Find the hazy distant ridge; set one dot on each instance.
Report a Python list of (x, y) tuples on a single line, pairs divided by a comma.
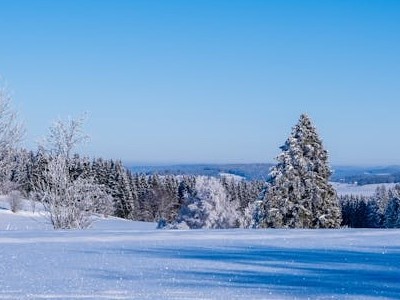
[(259, 171)]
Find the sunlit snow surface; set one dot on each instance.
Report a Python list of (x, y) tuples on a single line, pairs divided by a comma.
[(367, 190), (118, 259)]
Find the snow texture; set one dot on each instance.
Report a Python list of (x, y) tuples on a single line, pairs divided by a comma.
[(231, 176), (119, 259), (367, 190)]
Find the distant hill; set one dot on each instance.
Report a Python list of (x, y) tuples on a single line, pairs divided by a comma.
[(366, 175), (344, 174), (247, 171)]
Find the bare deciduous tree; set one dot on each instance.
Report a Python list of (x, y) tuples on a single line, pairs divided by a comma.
[(64, 136), (11, 133), (70, 202)]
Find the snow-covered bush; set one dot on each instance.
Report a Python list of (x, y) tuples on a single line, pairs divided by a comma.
[(207, 206), (15, 201), (70, 203), (69, 200)]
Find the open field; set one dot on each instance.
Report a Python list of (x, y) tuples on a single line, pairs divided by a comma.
[(118, 259)]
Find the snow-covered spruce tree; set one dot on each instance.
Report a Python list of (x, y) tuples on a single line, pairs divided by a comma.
[(145, 210), (392, 213), (381, 197), (191, 214), (252, 215), (373, 215), (165, 195), (118, 183), (171, 206), (299, 194)]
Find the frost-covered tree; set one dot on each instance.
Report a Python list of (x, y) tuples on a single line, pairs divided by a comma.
[(208, 207), (70, 203), (68, 195), (11, 133), (373, 215), (392, 213), (242, 191), (165, 193), (221, 213), (21, 171), (15, 201), (192, 214), (299, 194), (145, 209), (252, 215), (381, 197), (65, 135)]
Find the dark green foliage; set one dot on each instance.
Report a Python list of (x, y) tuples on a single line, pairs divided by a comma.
[(392, 213), (355, 212), (382, 210)]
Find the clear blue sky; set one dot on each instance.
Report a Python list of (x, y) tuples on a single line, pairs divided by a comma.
[(208, 81)]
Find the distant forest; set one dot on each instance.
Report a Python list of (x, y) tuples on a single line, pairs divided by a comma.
[(260, 171)]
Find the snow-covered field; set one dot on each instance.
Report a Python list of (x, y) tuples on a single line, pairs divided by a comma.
[(118, 259), (358, 190)]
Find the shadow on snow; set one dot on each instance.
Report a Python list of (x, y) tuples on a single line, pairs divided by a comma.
[(290, 271)]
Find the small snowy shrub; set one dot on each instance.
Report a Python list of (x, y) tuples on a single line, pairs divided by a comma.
[(15, 201), (208, 207), (70, 203)]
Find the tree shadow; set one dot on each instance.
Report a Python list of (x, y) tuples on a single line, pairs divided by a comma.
[(298, 272)]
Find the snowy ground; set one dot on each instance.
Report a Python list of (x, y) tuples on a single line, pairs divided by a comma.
[(360, 190), (118, 259)]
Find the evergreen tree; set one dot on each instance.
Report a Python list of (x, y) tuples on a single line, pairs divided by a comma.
[(299, 194), (392, 213), (124, 198), (19, 176), (169, 202), (145, 210), (252, 215), (381, 197), (374, 218), (361, 213)]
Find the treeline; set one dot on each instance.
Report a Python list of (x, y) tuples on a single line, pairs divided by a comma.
[(151, 198), (254, 171), (155, 198), (73, 189), (382, 210), (364, 179)]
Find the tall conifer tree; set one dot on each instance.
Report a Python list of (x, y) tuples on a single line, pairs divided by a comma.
[(299, 195)]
